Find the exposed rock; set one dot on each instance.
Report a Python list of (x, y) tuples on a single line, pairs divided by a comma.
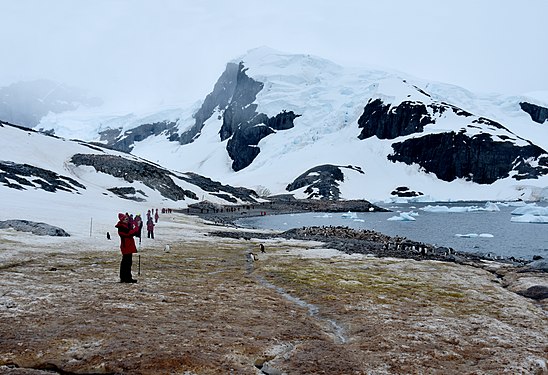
[(234, 94), (537, 292), (132, 170), (538, 114), (322, 181), (128, 192), (126, 141), (207, 184), (404, 191), (40, 229), (389, 122), (22, 176), (478, 158)]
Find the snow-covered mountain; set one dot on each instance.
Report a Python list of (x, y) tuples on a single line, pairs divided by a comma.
[(26, 102), (284, 123)]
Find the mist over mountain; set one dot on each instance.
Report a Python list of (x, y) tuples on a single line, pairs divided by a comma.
[(300, 124), (26, 102)]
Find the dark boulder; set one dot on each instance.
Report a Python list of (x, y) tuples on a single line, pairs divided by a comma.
[(40, 229)]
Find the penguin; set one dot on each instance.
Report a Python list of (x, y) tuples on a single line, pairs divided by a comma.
[(262, 248)]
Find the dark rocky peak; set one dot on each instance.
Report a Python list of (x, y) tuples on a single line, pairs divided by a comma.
[(388, 122), (404, 191), (322, 181), (538, 114), (476, 158)]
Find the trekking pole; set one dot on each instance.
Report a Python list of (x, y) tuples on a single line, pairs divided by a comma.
[(139, 265)]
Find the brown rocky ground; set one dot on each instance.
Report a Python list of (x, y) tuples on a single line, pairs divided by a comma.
[(203, 308)]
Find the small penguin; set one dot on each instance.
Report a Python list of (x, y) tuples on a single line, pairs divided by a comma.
[(262, 248), (166, 248), (108, 236)]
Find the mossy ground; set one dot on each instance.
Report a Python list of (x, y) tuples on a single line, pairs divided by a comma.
[(202, 308)]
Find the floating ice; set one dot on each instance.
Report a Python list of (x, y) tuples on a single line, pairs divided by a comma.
[(489, 206), (531, 209), (404, 216), (475, 235), (529, 218), (349, 215)]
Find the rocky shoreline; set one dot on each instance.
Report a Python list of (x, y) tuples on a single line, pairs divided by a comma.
[(366, 242)]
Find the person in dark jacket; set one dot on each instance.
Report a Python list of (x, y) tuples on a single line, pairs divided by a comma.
[(150, 228), (127, 247)]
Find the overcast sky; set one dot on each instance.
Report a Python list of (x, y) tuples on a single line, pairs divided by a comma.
[(146, 53)]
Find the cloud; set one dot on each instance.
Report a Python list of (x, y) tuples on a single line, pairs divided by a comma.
[(140, 53)]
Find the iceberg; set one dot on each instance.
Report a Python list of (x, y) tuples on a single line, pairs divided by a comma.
[(475, 235), (349, 215), (402, 217), (529, 218), (531, 209)]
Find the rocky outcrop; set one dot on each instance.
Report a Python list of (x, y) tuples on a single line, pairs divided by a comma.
[(132, 170), (405, 192), (225, 192), (128, 192), (387, 121), (538, 114), (126, 141), (475, 158), (22, 176), (242, 147), (321, 181), (40, 229)]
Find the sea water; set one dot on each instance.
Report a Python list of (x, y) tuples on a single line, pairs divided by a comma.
[(476, 231)]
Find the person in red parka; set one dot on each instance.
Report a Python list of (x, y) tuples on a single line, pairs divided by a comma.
[(127, 246)]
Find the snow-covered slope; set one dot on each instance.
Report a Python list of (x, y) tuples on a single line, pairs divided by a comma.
[(273, 117), (39, 171)]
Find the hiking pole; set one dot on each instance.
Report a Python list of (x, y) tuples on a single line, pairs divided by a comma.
[(139, 265)]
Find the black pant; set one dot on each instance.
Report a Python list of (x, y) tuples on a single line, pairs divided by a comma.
[(125, 268), (150, 234)]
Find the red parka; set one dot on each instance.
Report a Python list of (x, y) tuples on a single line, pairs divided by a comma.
[(127, 244)]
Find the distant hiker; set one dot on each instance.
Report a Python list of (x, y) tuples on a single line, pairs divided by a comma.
[(148, 215), (139, 224), (108, 236), (127, 247), (150, 228), (261, 246), (156, 216)]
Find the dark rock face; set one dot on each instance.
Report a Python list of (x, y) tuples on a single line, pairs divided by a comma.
[(388, 122), (154, 177), (125, 142), (234, 94), (242, 147), (29, 176), (322, 181), (41, 229), (538, 114), (478, 158)]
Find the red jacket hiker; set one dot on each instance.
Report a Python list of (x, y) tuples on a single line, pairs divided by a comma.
[(127, 244)]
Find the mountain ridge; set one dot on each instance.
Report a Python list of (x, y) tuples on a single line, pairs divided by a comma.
[(273, 116)]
